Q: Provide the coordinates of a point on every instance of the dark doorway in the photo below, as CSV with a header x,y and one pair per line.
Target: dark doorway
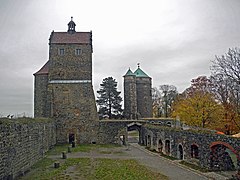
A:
x,y
123,140
160,145
180,151
71,138
194,151
148,141
167,147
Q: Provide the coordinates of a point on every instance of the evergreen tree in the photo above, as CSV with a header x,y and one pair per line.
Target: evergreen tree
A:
x,y
109,99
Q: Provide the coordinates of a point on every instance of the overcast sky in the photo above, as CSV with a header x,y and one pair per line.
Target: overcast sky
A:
x,y
173,40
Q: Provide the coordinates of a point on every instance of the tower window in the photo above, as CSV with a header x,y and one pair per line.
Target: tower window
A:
x,y
78,52
61,52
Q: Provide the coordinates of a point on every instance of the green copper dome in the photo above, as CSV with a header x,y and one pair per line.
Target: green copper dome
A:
x,y
140,73
129,73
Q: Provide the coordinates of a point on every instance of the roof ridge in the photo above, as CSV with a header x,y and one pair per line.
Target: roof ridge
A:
x,y
44,69
140,73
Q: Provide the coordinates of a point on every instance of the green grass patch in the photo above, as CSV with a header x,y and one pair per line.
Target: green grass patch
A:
x,y
91,169
168,157
43,163
45,170
193,166
58,149
109,169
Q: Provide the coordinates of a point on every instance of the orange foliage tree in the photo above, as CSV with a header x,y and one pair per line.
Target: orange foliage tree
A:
x,y
200,109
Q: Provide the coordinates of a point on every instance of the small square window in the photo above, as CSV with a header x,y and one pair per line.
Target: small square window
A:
x,y
78,52
61,52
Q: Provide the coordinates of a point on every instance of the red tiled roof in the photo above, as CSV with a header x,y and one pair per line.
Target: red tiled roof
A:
x,y
65,37
43,70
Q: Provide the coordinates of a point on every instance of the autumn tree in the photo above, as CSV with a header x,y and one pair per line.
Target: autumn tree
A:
x,y
197,105
200,84
109,99
199,110
228,65
163,99
225,76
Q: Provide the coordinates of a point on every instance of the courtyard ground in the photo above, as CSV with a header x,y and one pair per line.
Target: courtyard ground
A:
x,y
113,162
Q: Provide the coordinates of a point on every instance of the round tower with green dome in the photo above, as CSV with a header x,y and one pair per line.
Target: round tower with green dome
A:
x,y
137,94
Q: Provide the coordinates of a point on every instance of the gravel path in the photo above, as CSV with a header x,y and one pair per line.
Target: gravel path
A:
x,y
163,165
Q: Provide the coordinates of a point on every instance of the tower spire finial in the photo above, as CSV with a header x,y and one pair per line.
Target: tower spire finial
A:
x,y
138,64
71,26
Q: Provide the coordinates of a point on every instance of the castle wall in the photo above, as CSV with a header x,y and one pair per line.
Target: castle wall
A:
x,y
23,142
144,97
109,132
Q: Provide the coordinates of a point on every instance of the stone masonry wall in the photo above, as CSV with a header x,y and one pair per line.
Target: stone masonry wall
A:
x,y
22,143
130,97
70,66
41,103
110,131
144,97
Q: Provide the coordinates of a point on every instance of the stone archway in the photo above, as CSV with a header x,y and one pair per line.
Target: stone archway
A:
x,y
134,132
223,157
180,152
167,147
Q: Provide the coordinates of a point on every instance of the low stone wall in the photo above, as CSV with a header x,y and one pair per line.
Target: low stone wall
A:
x,y
110,131
209,145
22,143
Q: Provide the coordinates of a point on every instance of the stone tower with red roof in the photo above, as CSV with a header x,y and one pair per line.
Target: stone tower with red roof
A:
x,y
137,94
63,87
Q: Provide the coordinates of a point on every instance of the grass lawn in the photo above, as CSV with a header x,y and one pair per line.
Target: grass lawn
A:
x,y
90,169
58,149
193,166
